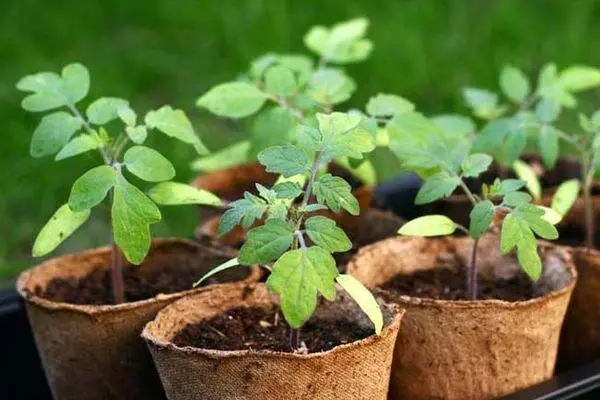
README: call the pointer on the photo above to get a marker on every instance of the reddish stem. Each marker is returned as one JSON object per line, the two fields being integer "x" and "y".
{"x": 472, "y": 273}
{"x": 116, "y": 274}
{"x": 295, "y": 339}
{"x": 589, "y": 216}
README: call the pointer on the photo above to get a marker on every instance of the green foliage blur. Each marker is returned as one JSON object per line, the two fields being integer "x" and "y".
{"x": 171, "y": 51}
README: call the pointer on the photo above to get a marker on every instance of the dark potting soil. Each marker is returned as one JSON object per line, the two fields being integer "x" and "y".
{"x": 450, "y": 284}
{"x": 95, "y": 288}
{"x": 255, "y": 328}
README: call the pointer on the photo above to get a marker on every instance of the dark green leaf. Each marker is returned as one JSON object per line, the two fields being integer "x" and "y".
{"x": 475, "y": 164}
{"x": 287, "y": 190}
{"x": 287, "y": 160}
{"x": 436, "y": 187}
{"x": 266, "y": 243}
{"x": 324, "y": 233}
{"x": 336, "y": 193}
{"x": 549, "y": 146}
{"x": 480, "y": 218}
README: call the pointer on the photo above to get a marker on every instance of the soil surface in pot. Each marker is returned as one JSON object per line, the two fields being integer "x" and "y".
{"x": 450, "y": 284}
{"x": 95, "y": 287}
{"x": 255, "y": 328}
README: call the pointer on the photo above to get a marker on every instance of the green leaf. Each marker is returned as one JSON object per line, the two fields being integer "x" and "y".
{"x": 227, "y": 157}
{"x": 259, "y": 65}
{"x": 176, "y": 124}
{"x": 78, "y": 145}
{"x": 280, "y": 81}
{"x": 75, "y": 82}
{"x": 271, "y": 127}
{"x": 266, "y": 243}
{"x": 565, "y": 196}
{"x": 514, "y": 231}
{"x": 547, "y": 110}
{"x": 386, "y": 105}
{"x": 300, "y": 64}
{"x": 547, "y": 77}
{"x": 226, "y": 265}
{"x": 364, "y": 298}
{"x": 514, "y": 145}
{"x": 92, "y": 187}
{"x": 514, "y": 199}
{"x": 549, "y": 146}
{"x": 324, "y": 233}
{"x": 454, "y": 125}
{"x": 475, "y": 164}
{"x": 59, "y": 227}
{"x": 287, "y": 160}
{"x": 53, "y": 132}
{"x": 429, "y": 225}
{"x": 175, "y": 193}
{"x": 550, "y": 215}
{"x": 525, "y": 173}
{"x": 287, "y": 190}
{"x": 247, "y": 210}
{"x": 330, "y": 86}
{"x": 578, "y": 78}
{"x": 336, "y": 193}
{"x": 480, "y": 218}
{"x": 233, "y": 100}
{"x": 511, "y": 185}
{"x": 148, "y": 164}
{"x": 132, "y": 214}
{"x": 343, "y": 43}
{"x": 514, "y": 84}
{"x": 530, "y": 261}
{"x": 297, "y": 276}
{"x": 277, "y": 211}
{"x": 483, "y": 102}
{"x": 105, "y": 109}
{"x": 137, "y": 134}
{"x": 127, "y": 115}
{"x": 344, "y": 136}
{"x": 435, "y": 187}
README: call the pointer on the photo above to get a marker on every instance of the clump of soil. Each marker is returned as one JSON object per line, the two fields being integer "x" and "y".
{"x": 450, "y": 284}
{"x": 95, "y": 287}
{"x": 254, "y": 328}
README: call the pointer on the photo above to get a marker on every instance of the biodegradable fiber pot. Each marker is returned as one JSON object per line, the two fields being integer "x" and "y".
{"x": 469, "y": 349}
{"x": 94, "y": 351}
{"x": 357, "y": 370}
{"x": 580, "y": 337}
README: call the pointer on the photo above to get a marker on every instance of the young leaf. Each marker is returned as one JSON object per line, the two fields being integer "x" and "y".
{"x": 105, "y": 109}
{"x": 514, "y": 84}
{"x": 280, "y": 81}
{"x": 514, "y": 199}
{"x": 525, "y": 172}
{"x": 297, "y": 276}
{"x": 226, "y": 265}
{"x": 343, "y": 43}
{"x": 480, "y": 218}
{"x": 266, "y": 243}
{"x": 324, "y": 233}
{"x": 530, "y": 261}
{"x": 364, "y": 298}
{"x": 483, "y": 102}
{"x": 271, "y": 127}
{"x": 132, "y": 214}
{"x": 578, "y": 78}
{"x": 287, "y": 160}
{"x": 78, "y": 145}
{"x": 53, "y": 132}
{"x": 549, "y": 146}
{"x": 224, "y": 158}
{"x": 127, "y": 115}
{"x": 233, "y": 100}
{"x": 547, "y": 110}
{"x": 92, "y": 187}
{"x": 387, "y": 105}
{"x": 330, "y": 86}
{"x": 59, "y": 227}
{"x": 475, "y": 164}
{"x": 176, "y": 124}
{"x": 287, "y": 190}
{"x": 75, "y": 82}
{"x": 429, "y": 225}
{"x": 510, "y": 185}
{"x": 137, "y": 134}
{"x": 148, "y": 164}
{"x": 300, "y": 64}
{"x": 515, "y": 232}
{"x": 336, "y": 192}
{"x": 248, "y": 209}
{"x": 435, "y": 187}
{"x": 550, "y": 215}
{"x": 174, "y": 193}
{"x": 565, "y": 196}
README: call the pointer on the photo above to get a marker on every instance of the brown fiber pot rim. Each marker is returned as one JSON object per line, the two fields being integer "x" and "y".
{"x": 389, "y": 329}
{"x": 425, "y": 302}
{"x": 98, "y": 310}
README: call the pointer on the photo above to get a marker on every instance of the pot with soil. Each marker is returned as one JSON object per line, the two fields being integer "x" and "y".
{"x": 231, "y": 342}
{"x": 453, "y": 348}
{"x": 90, "y": 347}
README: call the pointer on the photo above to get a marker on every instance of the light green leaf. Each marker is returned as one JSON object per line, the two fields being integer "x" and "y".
{"x": 547, "y": 110}
{"x": 483, "y": 102}
{"x": 549, "y": 146}
{"x": 480, "y": 218}
{"x": 530, "y": 261}
{"x": 324, "y": 233}
{"x": 148, "y": 164}
{"x": 514, "y": 231}
{"x": 364, "y": 298}
{"x": 550, "y": 215}
{"x": 137, "y": 134}
{"x": 429, "y": 225}
{"x": 53, "y": 132}
{"x": 435, "y": 187}
{"x": 336, "y": 192}
{"x": 175, "y": 193}
{"x": 386, "y": 105}
{"x": 247, "y": 210}
{"x": 514, "y": 84}
{"x": 344, "y": 136}
{"x": 233, "y": 100}
{"x": 343, "y": 43}
{"x": 475, "y": 164}
{"x": 287, "y": 190}
{"x": 75, "y": 82}
{"x": 132, "y": 214}
{"x": 59, "y": 227}
{"x": 547, "y": 77}
{"x": 578, "y": 78}
{"x": 330, "y": 86}
{"x": 454, "y": 125}
{"x": 92, "y": 187}
{"x": 176, "y": 124}
{"x": 525, "y": 173}
{"x": 565, "y": 196}
{"x": 514, "y": 199}
{"x": 510, "y": 185}
{"x": 300, "y": 64}
{"x": 226, "y": 265}
{"x": 227, "y": 157}
{"x": 513, "y": 146}
{"x": 271, "y": 127}
{"x": 78, "y": 145}
{"x": 259, "y": 65}
{"x": 297, "y": 276}
{"x": 287, "y": 160}
{"x": 280, "y": 81}
{"x": 277, "y": 211}
{"x": 127, "y": 115}
{"x": 105, "y": 109}
{"x": 308, "y": 137}
{"x": 266, "y": 243}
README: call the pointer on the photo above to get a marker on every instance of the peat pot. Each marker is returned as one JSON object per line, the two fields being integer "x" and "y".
{"x": 93, "y": 351}
{"x": 356, "y": 370}
{"x": 457, "y": 349}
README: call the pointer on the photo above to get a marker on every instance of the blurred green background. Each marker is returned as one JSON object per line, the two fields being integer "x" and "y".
{"x": 155, "y": 52}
